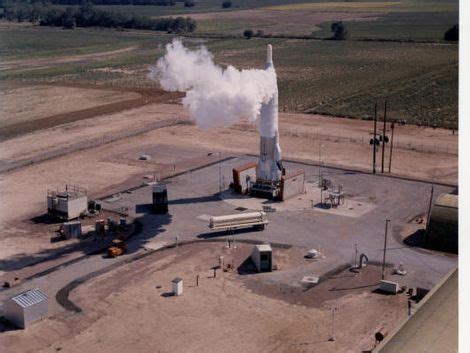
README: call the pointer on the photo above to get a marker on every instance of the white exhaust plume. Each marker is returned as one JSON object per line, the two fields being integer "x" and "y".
{"x": 215, "y": 97}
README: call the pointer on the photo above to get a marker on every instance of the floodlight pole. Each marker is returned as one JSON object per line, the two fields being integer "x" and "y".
{"x": 391, "y": 149}
{"x": 385, "y": 248}
{"x": 383, "y": 136}
{"x": 220, "y": 177}
{"x": 373, "y": 143}
{"x": 320, "y": 176}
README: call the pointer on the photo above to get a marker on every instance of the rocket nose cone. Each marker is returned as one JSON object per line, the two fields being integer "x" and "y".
{"x": 269, "y": 54}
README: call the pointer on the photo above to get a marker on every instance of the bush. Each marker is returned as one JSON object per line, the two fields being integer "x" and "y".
{"x": 452, "y": 34}
{"x": 189, "y": 3}
{"x": 248, "y": 33}
{"x": 226, "y": 4}
{"x": 339, "y": 31}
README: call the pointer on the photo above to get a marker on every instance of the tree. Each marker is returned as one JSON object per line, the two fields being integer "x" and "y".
{"x": 248, "y": 33}
{"x": 452, "y": 34}
{"x": 339, "y": 31}
{"x": 189, "y": 3}
{"x": 68, "y": 18}
{"x": 226, "y": 4}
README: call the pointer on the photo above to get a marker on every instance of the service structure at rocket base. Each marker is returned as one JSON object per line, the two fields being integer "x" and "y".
{"x": 270, "y": 162}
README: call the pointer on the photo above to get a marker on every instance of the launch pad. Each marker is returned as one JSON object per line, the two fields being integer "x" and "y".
{"x": 269, "y": 180}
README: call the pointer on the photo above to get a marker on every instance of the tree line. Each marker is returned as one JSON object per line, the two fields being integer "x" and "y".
{"x": 88, "y": 16}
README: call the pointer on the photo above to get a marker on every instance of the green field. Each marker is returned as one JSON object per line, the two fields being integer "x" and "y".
{"x": 39, "y": 42}
{"x": 399, "y": 25}
{"x": 338, "y": 78}
{"x": 201, "y": 6}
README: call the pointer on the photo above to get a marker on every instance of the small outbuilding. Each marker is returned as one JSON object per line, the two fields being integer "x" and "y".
{"x": 25, "y": 308}
{"x": 292, "y": 184}
{"x": 442, "y": 232}
{"x": 262, "y": 257}
{"x": 160, "y": 198}
{"x": 243, "y": 176}
{"x": 177, "y": 286}
{"x": 67, "y": 204}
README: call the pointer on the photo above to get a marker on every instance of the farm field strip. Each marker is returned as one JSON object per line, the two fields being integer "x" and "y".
{"x": 365, "y": 6}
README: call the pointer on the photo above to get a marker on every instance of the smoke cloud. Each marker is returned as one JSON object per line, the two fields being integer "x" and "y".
{"x": 215, "y": 97}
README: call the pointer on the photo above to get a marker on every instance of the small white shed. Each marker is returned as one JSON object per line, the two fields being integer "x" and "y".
{"x": 262, "y": 256}
{"x": 177, "y": 286}
{"x": 25, "y": 308}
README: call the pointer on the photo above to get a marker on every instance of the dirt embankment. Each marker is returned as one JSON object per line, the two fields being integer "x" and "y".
{"x": 145, "y": 96}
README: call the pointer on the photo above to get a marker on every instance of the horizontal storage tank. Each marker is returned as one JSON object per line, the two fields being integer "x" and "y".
{"x": 239, "y": 220}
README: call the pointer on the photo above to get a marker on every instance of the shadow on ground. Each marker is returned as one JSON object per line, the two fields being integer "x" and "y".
{"x": 247, "y": 267}
{"x": 225, "y": 233}
{"x": 137, "y": 236}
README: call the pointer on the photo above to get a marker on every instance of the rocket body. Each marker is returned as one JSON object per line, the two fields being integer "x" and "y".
{"x": 270, "y": 162}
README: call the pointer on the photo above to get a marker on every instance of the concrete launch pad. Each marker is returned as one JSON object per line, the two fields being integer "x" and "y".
{"x": 311, "y": 199}
{"x": 369, "y": 200}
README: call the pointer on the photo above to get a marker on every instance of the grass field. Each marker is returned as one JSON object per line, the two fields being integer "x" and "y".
{"x": 400, "y": 26}
{"x": 201, "y": 6}
{"x": 418, "y": 80}
{"x": 338, "y": 78}
{"x": 33, "y": 42}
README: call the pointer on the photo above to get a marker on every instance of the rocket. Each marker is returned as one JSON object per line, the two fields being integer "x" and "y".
{"x": 269, "y": 166}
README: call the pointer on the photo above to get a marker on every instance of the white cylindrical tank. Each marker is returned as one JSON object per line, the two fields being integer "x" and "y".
{"x": 238, "y": 220}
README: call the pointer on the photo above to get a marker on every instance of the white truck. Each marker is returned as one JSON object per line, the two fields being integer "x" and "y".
{"x": 240, "y": 220}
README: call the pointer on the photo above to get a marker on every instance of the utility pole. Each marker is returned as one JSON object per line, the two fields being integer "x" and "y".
{"x": 375, "y": 136}
{"x": 220, "y": 178}
{"x": 383, "y": 136}
{"x": 385, "y": 248}
{"x": 320, "y": 176}
{"x": 391, "y": 149}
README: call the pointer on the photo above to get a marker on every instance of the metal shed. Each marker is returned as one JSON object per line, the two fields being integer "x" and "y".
{"x": 292, "y": 184}
{"x": 242, "y": 176}
{"x": 442, "y": 231}
{"x": 25, "y": 308}
{"x": 262, "y": 257}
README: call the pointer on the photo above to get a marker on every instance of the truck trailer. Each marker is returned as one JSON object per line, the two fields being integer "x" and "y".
{"x": 256, "y": 220}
